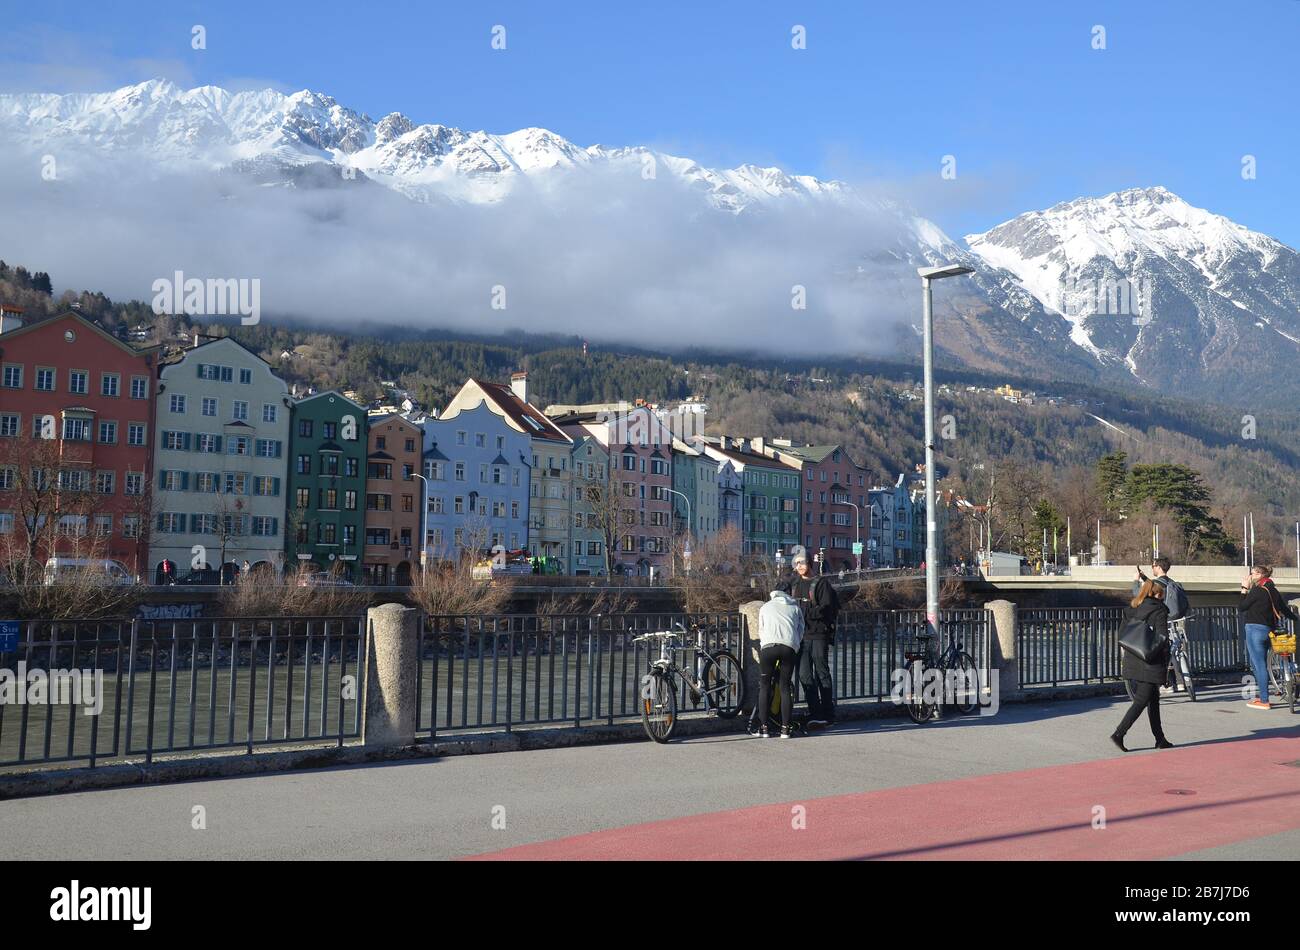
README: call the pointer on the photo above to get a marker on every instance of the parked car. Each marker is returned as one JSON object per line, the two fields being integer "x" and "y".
{"x": 98, "y": 570}
{"x": 323, "y": 579}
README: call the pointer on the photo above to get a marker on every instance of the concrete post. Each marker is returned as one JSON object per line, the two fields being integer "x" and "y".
{"x": 392, "y": 665}
{"x": 750, "y": 612}
{"x": 1003, "y": 648}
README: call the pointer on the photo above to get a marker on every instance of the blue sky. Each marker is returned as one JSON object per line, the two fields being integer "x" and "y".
{"x": 1032, "y": 113}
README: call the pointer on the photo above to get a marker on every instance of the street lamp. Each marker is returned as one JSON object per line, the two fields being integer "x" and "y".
{"x": 927, "y": 275}
{"x": 424, "y": 511}
{"x": 857, "y": 532}
{"x": 686, "y": 552}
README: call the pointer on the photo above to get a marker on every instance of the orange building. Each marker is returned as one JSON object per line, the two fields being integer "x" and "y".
{"x": 391, "y": 553}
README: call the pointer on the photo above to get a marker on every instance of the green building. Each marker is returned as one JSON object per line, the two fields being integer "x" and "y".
{"x": 327, "y": 484}
{"x": 770, "y": 504}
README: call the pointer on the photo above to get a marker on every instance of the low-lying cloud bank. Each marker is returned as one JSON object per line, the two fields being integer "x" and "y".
{"x": 603, "y": 254}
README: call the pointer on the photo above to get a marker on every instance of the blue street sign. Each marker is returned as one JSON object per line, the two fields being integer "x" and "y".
{"x": 8, "y": 636}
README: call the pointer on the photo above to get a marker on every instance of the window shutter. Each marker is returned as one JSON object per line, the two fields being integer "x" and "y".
{"x": 275, "y": 487}
{"x": 185, "y": 481}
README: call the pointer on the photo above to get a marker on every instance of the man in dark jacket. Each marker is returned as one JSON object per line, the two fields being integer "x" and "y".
{"x": 1262, "y": 609}
{"x": 820, "y": 605}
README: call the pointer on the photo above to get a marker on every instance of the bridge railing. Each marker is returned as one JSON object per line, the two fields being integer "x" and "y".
{"x": 1067, "y": 645}
{"x": 165, "y": 686}
{"x": 499, "y": 672}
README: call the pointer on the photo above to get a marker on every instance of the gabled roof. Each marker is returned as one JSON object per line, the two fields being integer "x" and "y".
{"x": 525, "y": 417}
{"x": 331, "y": 392}
{"x": 83, "y": 321}
{"x": 383, "y": 456}
{"x": 433, "y": 453}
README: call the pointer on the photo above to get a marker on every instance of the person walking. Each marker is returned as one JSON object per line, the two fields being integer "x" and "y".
{"x": 780, "y": 633}
{"x": 1261, "y": 608}
{"x": 1147, "y": 676}
{"x": 816, "y": 595}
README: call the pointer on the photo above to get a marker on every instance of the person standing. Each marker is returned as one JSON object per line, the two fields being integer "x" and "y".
{"x": 817, "y": 598}
{"x": 780, "y": 633}
{"x": 1147, "y": 676}
{"x": 1261, "y": 608}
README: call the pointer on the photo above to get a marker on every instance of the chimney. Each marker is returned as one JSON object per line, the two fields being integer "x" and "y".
{"x": 519, "y": 385}
{"x": 11, "y": 318}
{"x": 756, "y": 444}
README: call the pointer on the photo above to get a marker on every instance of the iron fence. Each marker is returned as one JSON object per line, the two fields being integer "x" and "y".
{"x": 499, "y": 672}
{"x": 177, "y": 686}
{"x": 1066, "y": 645}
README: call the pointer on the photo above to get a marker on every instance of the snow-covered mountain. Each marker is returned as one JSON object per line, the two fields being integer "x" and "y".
{"x": 1136, "y": 286}
{"x": 1179, "y": 297}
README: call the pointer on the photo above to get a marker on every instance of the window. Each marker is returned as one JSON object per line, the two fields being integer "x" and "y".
{"x": 376, "y": 502}
{"x": 9, "y": 425}
{"x": 328, "y": 498}
{"x": 235, "y": 483}
{"x": 238, "y": 445}
{"x": 215, "y": 373}
{"x": 8, "y": 476}
{"x": 381, "y": 442}
{"x": 177, "y": 403}
{"x": 410, "y": 445}
{"x": 460, "y": 471}
{"x": 203, "y": 524}
{"x": 460, "y": 436}
{"x": 209, "y": 406}
{"x": 349, "y": 534}
{"x": 268, "y": 412}
{"x": 205, "y": 442}
{"x": 268, "y": 448}
{"x": 77, "y": 381}
{"x": 139, "y": 387}
{"x": 76, "y": 429}
{"x": 134, "y": 484}
{"x": 435, "y": 504}
{"x": 205, "y": 482}
{"x": 329, "y": 430}
{"x": 303, "y": 466}
{"x": 103, "y": 526}
{"x": 380, "y": 470}
{"x": 265, "y": 527}
{"x": 408, "y": 502}
{"x": 45, "y": 379}
{"x": 302, "y": 498}
{"x": 458, "y": 505}
{"x": 135, "y": 433}
{"x": 326, "y": 534}
{"x": 351, "y": 467}
{"x": 514, "y": 509}
{"x": 239, "y": 412}
{"x": 245, "y": 376}
{"x": 171, "y": 522}
{"x": 480, "y": 440}
{"x": 268, "y": 486}
{"x": 130, "y": 526}
{"x": 110, "y": 384}
{"x": 104, "y": 482}
{"x": 304, "y": 428}
{"x": 329, "y": 463}
{"x": 108, "y": 432}
{"x": 11, "y": 376}
{"x": 377, "y": 536}
{"x": 350, "y": 500}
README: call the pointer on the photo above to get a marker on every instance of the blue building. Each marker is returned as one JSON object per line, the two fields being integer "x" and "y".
{"x": 477, "y": 463}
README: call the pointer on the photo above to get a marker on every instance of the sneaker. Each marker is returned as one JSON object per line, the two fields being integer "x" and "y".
{"x": 753, "y": 728}
{"x": 762, "y": 732}
{"x": 787, "y": 732}
{"x": 1119, "y": 742}
{"x": 1164, "y": 744}
{"x": 1166, "y": 690}
{"x": 1256, "y": 704}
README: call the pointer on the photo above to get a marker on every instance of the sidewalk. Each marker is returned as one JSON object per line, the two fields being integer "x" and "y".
{"x": 1019, "y": 784}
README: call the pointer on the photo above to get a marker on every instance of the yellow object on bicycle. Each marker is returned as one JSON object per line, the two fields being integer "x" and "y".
{"x": 1283, "y": 642}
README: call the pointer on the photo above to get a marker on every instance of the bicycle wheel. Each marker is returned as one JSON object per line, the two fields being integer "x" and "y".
{"x": 919, "y": 710}
{"x": 725, "y": 673}
{"x": 1276, "y": 677}
{"x": 658, "y": 705}
{"x": 968, "y": 684}
{"x": 1183, "y": 669}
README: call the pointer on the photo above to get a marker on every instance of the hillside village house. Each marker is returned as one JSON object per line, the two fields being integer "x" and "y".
{"x": 221, "y": 435}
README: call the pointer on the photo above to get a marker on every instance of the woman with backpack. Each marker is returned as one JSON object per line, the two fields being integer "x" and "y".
{"x": 1262, "y": 609}
{"x": 1146, "y": 676}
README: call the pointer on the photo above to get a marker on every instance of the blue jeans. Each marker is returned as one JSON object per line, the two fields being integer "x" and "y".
{"x": 1257, "y": 649}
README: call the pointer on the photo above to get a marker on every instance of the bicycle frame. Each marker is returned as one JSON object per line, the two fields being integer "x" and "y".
{"x": 693, "y": 677}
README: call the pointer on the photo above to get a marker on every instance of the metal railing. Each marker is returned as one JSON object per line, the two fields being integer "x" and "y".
{"x": 1067, "y": 645}
{"x": 181, "y": 685}
{"x": 499, "y": 672}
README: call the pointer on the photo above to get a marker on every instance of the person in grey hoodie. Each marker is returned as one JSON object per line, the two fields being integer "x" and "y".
{"x": 780, "y": 631}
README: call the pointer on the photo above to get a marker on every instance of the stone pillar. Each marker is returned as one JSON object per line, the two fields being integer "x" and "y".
{"x": 749, "y": 611}
{"x": 392, "y": 665}
{"x": 1003, "y": 648}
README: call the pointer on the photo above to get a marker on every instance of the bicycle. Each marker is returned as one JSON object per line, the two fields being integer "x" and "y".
{"x": 953, "y": 660}
{"x": 1178, "y": 671}
{"x": 1282, "y": 666}
{"x": 714, "y": 676}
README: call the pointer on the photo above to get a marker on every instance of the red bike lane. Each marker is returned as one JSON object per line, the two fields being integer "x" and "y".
{"x": 1138, "y": 806}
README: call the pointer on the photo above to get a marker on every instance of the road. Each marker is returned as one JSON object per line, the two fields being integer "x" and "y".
{"x": 1025, "y": 783}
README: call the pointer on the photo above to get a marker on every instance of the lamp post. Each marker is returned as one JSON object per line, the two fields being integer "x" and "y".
{"x": 424, "y": 510}
{"x": 686, "y": 551}
{"x": 857, "y": 532}
{"x": 927, "y": 275}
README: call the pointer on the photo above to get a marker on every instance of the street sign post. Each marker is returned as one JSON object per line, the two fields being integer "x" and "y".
{"x": 8, "y": 636}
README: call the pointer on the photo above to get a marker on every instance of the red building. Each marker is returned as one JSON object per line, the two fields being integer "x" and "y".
{"x": 835, "y": 506}
{"x": 76, "y": 430}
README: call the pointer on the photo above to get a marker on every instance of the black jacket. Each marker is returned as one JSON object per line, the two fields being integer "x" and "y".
{"x": 1256, "y": 606}
{"x": 1156, "y": 614}
{"x": 817, "y": 599}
